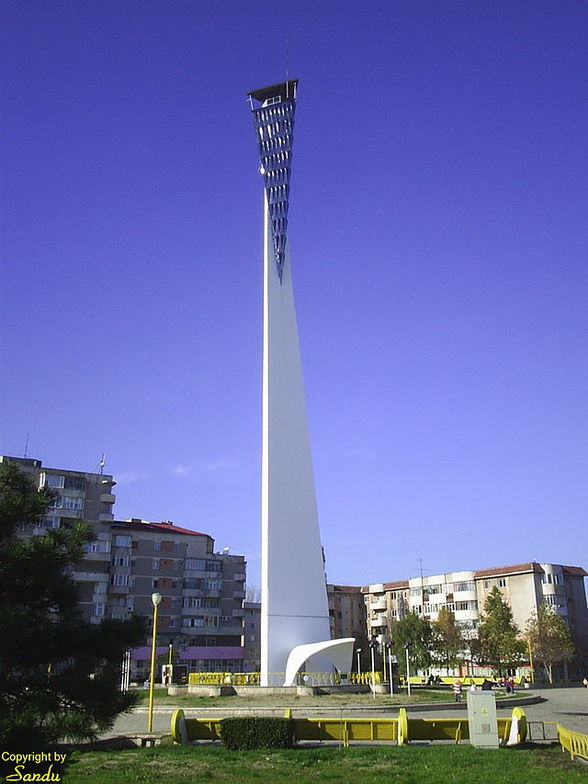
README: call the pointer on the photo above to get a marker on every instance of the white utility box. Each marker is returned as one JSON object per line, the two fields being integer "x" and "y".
{"x": 482, "y": 719}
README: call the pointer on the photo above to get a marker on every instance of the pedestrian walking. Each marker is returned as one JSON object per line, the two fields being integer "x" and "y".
{"x": 457, "y": 690}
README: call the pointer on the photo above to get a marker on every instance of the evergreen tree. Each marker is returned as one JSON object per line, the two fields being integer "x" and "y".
{"x": 59, "y": 676}
{"x": 448, "y": 640}
{"x": 549, "y": 638}
{"x": 416, "y": 632}
{"x": 499, "y": 644}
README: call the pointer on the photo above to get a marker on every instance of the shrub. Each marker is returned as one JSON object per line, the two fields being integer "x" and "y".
{"x": 257, "y": 732}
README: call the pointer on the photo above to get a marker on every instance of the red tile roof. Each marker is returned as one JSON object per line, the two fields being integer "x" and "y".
{"x": 495, "y": 571}
{"x": 346, "y": 588}
{"x": 398, "y": 584}
{"x": 168, "y": 528}
{"x": 578, "y": 570}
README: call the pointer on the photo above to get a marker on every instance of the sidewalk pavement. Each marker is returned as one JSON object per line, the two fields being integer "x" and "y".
{"x": 567, "y": 705}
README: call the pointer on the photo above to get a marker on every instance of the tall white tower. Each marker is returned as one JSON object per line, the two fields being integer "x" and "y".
{"x": 294, "y": 606}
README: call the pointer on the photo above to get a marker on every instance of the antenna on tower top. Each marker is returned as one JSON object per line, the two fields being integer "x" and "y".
{"x": 287, "y": 53}
{"x": 26, "y": 449}
{"x": 102, "y": 463}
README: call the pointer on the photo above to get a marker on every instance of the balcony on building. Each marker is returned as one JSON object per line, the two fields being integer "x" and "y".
{"x": 107, "y": 498}
{"x": 378, "y": 603}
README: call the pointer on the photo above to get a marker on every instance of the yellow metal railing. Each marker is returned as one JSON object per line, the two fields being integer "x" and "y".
{"x": 575, "y": 743}
{"x": 223, "y": 678}
{"x": 302, "y": 678}
{"x": 399, "y": 730}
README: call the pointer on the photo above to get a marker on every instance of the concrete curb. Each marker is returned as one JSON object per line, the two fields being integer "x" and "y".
{"x": 235, "y": 710}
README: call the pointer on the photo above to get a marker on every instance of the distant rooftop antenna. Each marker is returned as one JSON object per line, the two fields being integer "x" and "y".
{"x": 26, "y": 449}
{"x": 287, "y": 52}
{"x": 102, "y": 463}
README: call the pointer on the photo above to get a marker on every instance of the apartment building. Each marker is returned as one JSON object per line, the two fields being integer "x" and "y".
{"x": 524, "y": 586}
{"x": 347, "y": 613}
{"x": 252, "y": 636}
{"x": 201, "y": 611}
{"x": 80, "y": 495}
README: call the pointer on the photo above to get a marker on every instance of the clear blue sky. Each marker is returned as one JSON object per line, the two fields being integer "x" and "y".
{"x": 439, "y": 236}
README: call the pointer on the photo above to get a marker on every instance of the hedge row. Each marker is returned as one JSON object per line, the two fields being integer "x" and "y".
{"x": 257, "y": 732}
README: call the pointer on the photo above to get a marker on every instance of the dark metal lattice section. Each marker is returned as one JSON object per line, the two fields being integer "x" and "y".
{"x": 273, "y": 116}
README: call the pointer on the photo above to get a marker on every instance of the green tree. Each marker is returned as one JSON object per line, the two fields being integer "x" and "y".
{"x": 549, "y": 638}
{"x": 499, "y": 645}
{"x": 417, "y": 633}
{"x": 59, "y": 676}
{"x": 448, "y": 640}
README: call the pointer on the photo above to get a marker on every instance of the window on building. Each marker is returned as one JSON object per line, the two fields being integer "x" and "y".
{"x": 97, "y": 546}
{"x": 196, "y": 584}
{"x": 195, "y": 563}
{"x": 465, "y": 585}
{"x": 50, "y": 522}
{"x": 121, "y": 560}
{"x": 502, "y": 582}
{"x": 122, "y": 540}
{"x": 98, "y": 609}
{"x": 52, "y": 480}
{"x": 157, "y": 545}
{"x": 75, "y": 483}
{"x": 197, "y": 620}
{"x": 213, "y": 566}
{"x": 471, "y": 605}
{"x": 213, "y": 585}
{"x": 119, "y": 580}
{"x": 155, "y": 563}
{"x": 67, "y": 502}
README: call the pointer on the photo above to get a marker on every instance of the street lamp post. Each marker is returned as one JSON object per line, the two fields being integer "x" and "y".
{"x": 389, "y": 646}
{"x": 358, "y": 652}
{"x": 155, "y": 598}
{"x": 531, "y": 668}
{"x": 406, "y": 647}
{"x": 373, "y": 645}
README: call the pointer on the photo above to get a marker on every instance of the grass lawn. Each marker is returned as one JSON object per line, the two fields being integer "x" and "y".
{"x": 356, "y": 765}
{"x": 322, "y": 700}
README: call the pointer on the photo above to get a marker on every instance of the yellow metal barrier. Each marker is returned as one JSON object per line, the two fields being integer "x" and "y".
{"x": 365, "y": 678}
{"x": 303, "y": 678}
{"x": 400, "y": 730}
{"x": 185, "y": 730}
{"x": 575, "y": 743}
{"x": 222, "y": 678}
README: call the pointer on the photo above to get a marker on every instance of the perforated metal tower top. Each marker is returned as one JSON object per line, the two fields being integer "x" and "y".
{"x": 273, "y": 116}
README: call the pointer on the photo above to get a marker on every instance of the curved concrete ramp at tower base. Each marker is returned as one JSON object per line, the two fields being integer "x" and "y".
{"x": 338, "y": 652}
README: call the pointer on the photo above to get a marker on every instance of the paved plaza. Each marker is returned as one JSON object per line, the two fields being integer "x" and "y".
{"x": 567, "y": 705}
